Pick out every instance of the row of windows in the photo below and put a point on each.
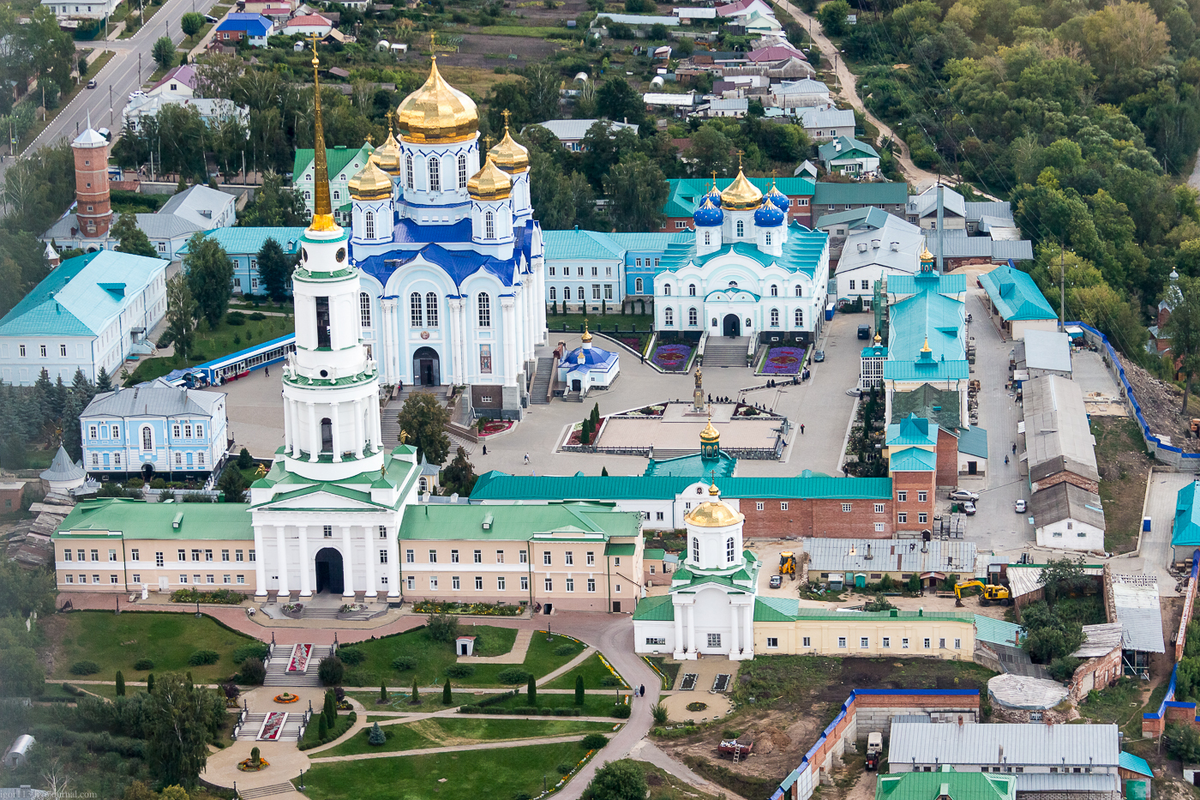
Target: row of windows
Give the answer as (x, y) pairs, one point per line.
(581, 294)
(902, 517)
(137, 578)
(135, 555)
(502, 584)
(693, 317)
(178, 431)
(566, 271)
(116, 460)
(773, 289)
(730, 550)
(864, 643)
(42, 350)
(410, 556)
(434, 168)
(424, 315)
(902, 496)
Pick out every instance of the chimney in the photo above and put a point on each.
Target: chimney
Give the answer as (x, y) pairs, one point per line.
(874, 244)
(862, 247)
(895, 247)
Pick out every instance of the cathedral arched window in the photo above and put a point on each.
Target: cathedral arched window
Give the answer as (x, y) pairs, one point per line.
(669, 317)
(485, 310)
(414, 308)
(667, 289)
(147, 438)
(774, 317)
(435, 174)
(741, 228)
(707, 238)
(799, 318)
(691, 290)
(364, 308)
(767, 240)
(637, 286)
(489, 225)
(692, 316)
(369, 224)
(431, 309)
(553, 293)
(462, 170)
(695, 549)
(799, 290)
(774, 288)
(408, 171)
(729, 550)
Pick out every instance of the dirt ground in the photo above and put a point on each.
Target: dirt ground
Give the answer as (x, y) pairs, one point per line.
(1124, 470)
(1160, 403)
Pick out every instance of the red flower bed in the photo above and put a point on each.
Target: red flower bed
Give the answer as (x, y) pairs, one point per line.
(575, 434)
(299, 659)
(495, 426)
(272, 726)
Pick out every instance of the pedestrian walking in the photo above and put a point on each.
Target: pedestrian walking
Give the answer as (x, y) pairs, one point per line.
(485, 449)
(267, 371)
(642, 690)
(527, 459)
(801, 428)
(1006, 461)
(1014, 448)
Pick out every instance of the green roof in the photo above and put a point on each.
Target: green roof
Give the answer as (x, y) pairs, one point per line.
(516, 522)
(779, 613)
(248, 241)
(911, 284)
(692, 466)
(801, 252)
(997, 631)
(973, 441)
(868, 193)
(870, 216)
(910, 431)
(626, 549)
(946, 783)
(928, 401)
(397, 472)
(775, 609)
(655, 609)
(913, 459)
(849, 148)
(1015, 294)
(579, 244)
(684, 193)
(137, 519)
(653, 554)
(336, 159)
(808, 485)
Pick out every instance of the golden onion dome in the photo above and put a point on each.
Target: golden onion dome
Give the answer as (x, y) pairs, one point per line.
(709, 434)
(742, 195)
(713, 514)
(490, 183)
(371, 183)
(508, 155)
(587, 335)
(387, 155)
(437, 113)
(926, 255)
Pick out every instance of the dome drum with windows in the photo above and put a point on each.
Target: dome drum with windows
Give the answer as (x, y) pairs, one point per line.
(741, 195)
(713, 513)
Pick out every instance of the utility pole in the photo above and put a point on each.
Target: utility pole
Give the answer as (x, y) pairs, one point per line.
(1062, 288)
(110, 106)
(139, 69)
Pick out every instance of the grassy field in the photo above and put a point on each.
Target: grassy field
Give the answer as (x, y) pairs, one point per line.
(593, 671)
(453, 731)
(596, 703)
(469, 775)
(210, 344)
(432, 658)
(117, 642)
(344, 722)
(1121, 455)
(601, 322)
(1120, 705)
(55, 689)
(430, 697)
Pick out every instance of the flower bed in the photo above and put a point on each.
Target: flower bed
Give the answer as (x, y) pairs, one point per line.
(299, 660)
(672, 357)
(697, 706)
(647, 411)
(286, 697)
(482, 609)
(272, 726)
(494, 426)
(249, 766)
(744, 410)
(783, 361)
(577, 429)
(220, 596)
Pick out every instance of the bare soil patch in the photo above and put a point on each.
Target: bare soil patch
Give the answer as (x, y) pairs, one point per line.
(1124, 470)
(1161, 402)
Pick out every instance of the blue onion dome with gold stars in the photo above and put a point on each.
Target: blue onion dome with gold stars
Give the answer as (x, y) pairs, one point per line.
(778, 198)
(707, 214)
(769, 215)
(714, 194)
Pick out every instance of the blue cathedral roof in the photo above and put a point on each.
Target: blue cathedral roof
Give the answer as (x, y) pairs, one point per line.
(707, 214)
(768, 215)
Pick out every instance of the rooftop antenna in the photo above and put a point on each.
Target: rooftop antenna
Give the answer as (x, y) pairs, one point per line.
(941, 218)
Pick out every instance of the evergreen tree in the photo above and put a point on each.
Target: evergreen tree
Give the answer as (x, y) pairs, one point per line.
(424, 420)
(579, 690)
(275, 270)
(120, 684)
(150, 683)
(416, 698)
(43, 388)
(531, 691)
(377, 736)
(232, 484)
(82, 387)
(210, 277)
(459, 477)
(322, 728)
(103, 381)
(72, 435)
(181, 316)
(595, 416)
(383, 695)
(446, 696)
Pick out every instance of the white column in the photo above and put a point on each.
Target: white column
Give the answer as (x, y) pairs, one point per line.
(347, 563)
(369, 560)
(733, 630)
(281, 546)
(679, 629)
(453, 338)
(314, 433)
(335, 424)
(287, 426)
(305, 565)
(375, 422)
(384, 347)
(748, 628)
(260, 564)
(359, 433)
(393, 569)
(510, 346)
(691, 632)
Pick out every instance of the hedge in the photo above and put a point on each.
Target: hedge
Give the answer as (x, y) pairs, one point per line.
(523, 711)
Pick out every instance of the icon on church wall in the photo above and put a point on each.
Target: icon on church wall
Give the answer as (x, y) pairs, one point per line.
(485, 359)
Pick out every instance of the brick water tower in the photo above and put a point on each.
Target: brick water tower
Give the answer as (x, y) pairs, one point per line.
(93, 209)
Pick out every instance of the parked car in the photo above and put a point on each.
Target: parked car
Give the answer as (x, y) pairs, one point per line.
(963, 494)
(210, 18)
(968, 508)
(92, 83)
(1020, 506)
(818, 355)
(864, 331)
(776, 581)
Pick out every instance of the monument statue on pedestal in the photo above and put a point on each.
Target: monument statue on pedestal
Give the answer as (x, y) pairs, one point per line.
(698, 394)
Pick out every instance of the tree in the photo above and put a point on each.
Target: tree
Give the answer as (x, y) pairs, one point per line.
(531, 691)
(1183, 329)
(180, 720)
(275, 270)
(424, 420)
(416, 698)
(210, 277)
(579, 690)
(331, 672)
(459, 477)
(377, 736)
(620, 102)
(542, 91)
(636, 190)
(191, 23)
(447, 698)
(1064, 578)
(103, 381)
(131, 238)
(322, 728)
(120, 684)
(275, 205)
(232, 484)
(383, 695)
(834, 17)
(619, 780)
(163, 52)
(1049, 635)
(329, 709)
(150, 683)
(441, 627)
(181, 321)
(1183, 742)
(21, 673)
(244, 459)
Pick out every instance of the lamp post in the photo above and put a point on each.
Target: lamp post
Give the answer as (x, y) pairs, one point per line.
(198, 614)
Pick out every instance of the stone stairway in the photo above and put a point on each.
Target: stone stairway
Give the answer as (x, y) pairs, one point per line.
(291, 728)
(541, 382)
(265, 791)
(332, 613)
(277, 674)
(725, 352)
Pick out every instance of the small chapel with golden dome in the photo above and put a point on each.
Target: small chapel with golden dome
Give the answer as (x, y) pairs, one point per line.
(450, 256)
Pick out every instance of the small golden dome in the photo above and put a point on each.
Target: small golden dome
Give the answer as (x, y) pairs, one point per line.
(508, 155)
(387, 155)
(925, 254)
(713, 514)
(371, 183)
(742, 195)
(709, 434)
(490, 183)
(587, 335)
(926, 348)
(437, 113)
(878, 339)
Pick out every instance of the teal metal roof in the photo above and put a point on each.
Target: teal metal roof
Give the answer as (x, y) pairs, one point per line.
(579, 244)
(516, 522)
(1134, 764)
(655, 609)
(336, 159)
(82, 295)
(801, 252)
(692, 466)
(653, 242)
(845, 147)
(997, 631)
(866, 217)
(973, 441)
(775, 609)
(928, 319)
(1015, 294)
(913, 459)
(248, 241)
(932, 403)
(868, 193)
(684, 193)
(500, 486)
(1186, 530)
(137, 519)
(907, 284)
(910, 431)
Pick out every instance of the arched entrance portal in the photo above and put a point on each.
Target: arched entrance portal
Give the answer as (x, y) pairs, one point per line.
(732, 325)
(329, 571)
(426, 367)
(147, 472)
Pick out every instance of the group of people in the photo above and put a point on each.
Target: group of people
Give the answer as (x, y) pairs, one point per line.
(720, 399)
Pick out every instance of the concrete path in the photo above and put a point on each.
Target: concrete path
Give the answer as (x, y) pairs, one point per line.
(432, 751)
(450, 713)
(516, 655)
(647, 751)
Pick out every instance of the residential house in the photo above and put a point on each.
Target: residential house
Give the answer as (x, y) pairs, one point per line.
(871, 254)
(1016, 303)
(255, 28)
(180, 81)
(803, 93)
(829, 198)
(586, 270)
(212, 112)
(736, 107)
(343, 164)
(73, 9)
(308, 25)
(202, 206)
(242, 245)
(843, 223)
(824, 124)
(571, 132)
(849, 156)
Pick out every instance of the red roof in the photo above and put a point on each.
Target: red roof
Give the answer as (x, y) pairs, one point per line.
(777, 52)
(315, 20)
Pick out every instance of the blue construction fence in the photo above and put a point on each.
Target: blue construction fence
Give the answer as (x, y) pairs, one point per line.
(1168, 700)
(1167, 454)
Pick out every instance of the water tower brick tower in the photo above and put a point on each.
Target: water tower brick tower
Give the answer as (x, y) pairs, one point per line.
(93, 209)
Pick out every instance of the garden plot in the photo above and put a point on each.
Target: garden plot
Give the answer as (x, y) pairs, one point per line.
(721, 683)
(689, 682)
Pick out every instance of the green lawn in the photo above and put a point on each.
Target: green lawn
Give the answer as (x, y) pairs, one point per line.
(117, 642)
(451, 731)
(468, 775)
(604, 323)
(55, 689)
(208, 345)
(430, 697)
(594, 675)
(668, 668)
(312, 734)
(596, 703)
(432, 658)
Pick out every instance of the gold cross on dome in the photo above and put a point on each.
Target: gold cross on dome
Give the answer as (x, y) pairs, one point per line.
(389, 120)
(312, 38)
(506, 114)
(370, 138)
(487, 142)
(433, 43)
(739, 160)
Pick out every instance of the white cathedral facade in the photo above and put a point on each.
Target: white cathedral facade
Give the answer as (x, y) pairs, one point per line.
(450, 256)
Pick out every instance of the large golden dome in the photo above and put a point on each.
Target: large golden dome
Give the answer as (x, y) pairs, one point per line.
(508, 155)
(387, 155)
(371, 183)
(437, 113)
(713, 514)
(490, 183)
(742, 195)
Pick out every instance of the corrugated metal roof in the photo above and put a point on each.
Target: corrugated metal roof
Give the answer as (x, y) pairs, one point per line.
(576, 244)
(1065, 782)
(846, 147)
(1031, 744)
(1015, 294)
(572, 130)
(913, 459)
(639, 19)
(1139, 612)
(336, 159)
(684, 193)
(997, 631)
(137, 519)
(1024, 579)
(910, 431)
(926, 202)
(1136, 764)
(855, 218)
(192, 204)
(1048, 350)
(517, 522)
(655, 609)
(62, 468)
(1066, 501)
(1056, 428)
(248, 241)
(155, 399)
(973, 441)
(874, 246)
(1099, 640)
(694, 466)
(501, 486)
(945, 783)
(775, 609)
(823, 117)
(1185, 530)
(888, 555)
(861, 194)
(907, 284)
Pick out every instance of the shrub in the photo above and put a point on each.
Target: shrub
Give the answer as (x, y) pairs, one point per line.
(730, 733)
(565, 650)
(252, 650)
(351, 656)
(376, 737)
(512, 675)
(622, 710)
(442, 627)
(331, 671)
(85, 668)
(594, 741)
(257, 316)
(564, 769)
(120, 684)
(253, 672)
(404, 663)
(611, 680)
(235, 318)
(659, 712)
(203, 657)
(460, 670)
(143, 664)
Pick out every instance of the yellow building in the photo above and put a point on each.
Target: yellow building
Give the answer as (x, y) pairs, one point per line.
(781, 627)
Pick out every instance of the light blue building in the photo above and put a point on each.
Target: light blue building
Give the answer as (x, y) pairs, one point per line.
(154, 430)
(586, 270)
(242, 246)
(92, 311)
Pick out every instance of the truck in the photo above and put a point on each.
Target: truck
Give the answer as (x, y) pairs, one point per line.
(874, 749)
(737, 749)
(990, 593)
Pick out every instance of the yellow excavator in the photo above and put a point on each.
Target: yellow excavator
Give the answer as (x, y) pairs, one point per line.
(787, 563)
(989, 593)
